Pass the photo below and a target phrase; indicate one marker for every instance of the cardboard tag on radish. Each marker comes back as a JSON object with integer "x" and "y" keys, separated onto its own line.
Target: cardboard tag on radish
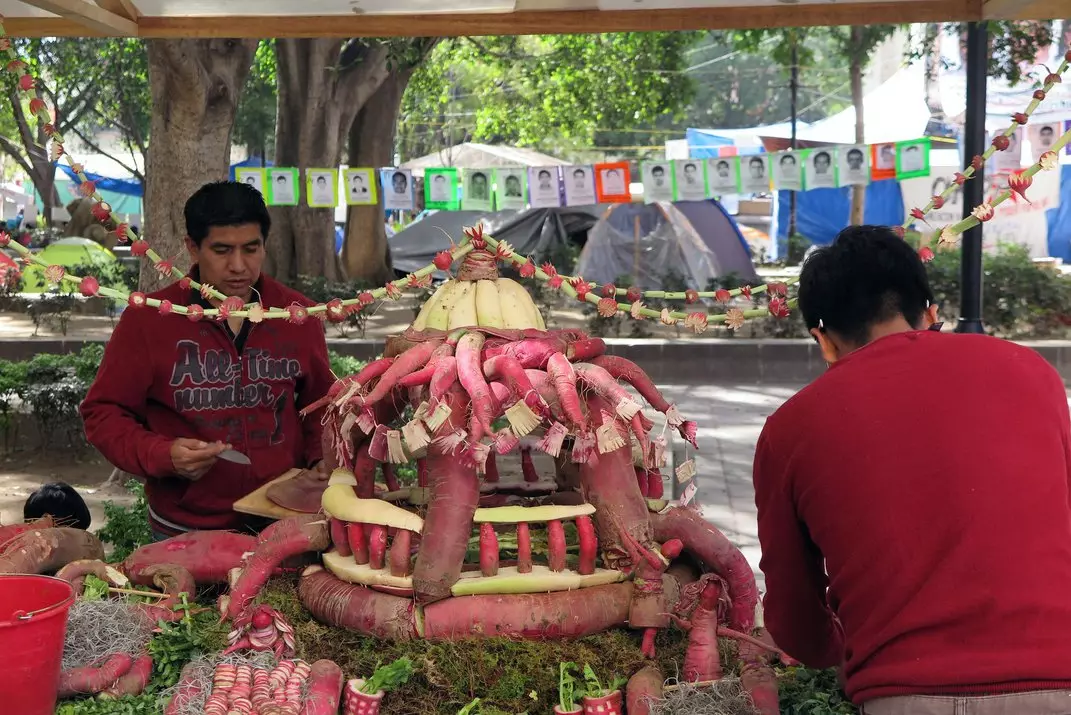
{"x": 689, "y": 494}
{"x": 658, "y": 452}
{"x": 685, "y": 471}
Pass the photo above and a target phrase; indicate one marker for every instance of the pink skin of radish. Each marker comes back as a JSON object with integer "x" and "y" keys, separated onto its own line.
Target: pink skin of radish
{"x": 443, "y": 379}
{"x": 641, "y": 481}
{"x": 174, "y": 581}
{"x": 93, "y": 679}
{"x": 358, "y": 541}
{"x": 207, "y": 555}
{"x": 455, "y": 493}
{"x": 757, "y": 677}
{"x": 356, "y": 608}
{"x": 339, "y": 538}
{"x": 407, "y": 363}
{"x": 75, "y": 573}
{"x": 48, "y": 550}
{"x": 364, "y": 471}
{"x": 531, "y": 353}
{"x": 524, "y": 548}
{"x": 325, "y": 684}
{"x": 702, "y": 661}
{"x": 655, "y": 486}
{"x": 10, "y": 532}
{"x": 706, "y": 543}
{"x": 389, "y": 477}
{"x": 541, "y": 383}
{"x": 488, "y": 550}
{"x": 400, "y": 548}
{"x": 134, "y": 681}
{"x": 556, "y": 545}
{"x": 527, "y": 466}
{"x": 189, "y": 690}
{"x": 377, "y": 546}
{"x": 505, "y": 366}
{"x": 422, "y": 472}
{"x": 491, "y": 468}
{"x": 369, "y": 372}
{"x": 288, "y": 538}
{"x": 585, "y": 349}
{"x": 603, "y": 384}
{"x": 563, "y": 378}
{"x": 623, "y": 369}
{"x": 470, "y": 375}
{"x": 644, "y": 688}
{"x": 589, "y": 545}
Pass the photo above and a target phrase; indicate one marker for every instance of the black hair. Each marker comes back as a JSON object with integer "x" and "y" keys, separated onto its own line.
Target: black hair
{"x": 866, "y": 276}
{"x": 787, "y": 158}
{"x": 723, "y": 163}
{"x": 1047, "y": 128}
{"x": 439, "y": 176}
{"x": 62, "y": 502}
{"x": 322, "y": 178}
{"x": 479, "y": 175}
{"x": 542, "y": 173}
{"x": 913, "y": 147}
{"x": 690, "y": 166}
{"x": 659, "y": 169}
{"x": 612, "y": 171}
{"x": 855, "y": 152}
{"x": 823, "y": 153}
{"x": 756, "y": 160}
{"x": 225, "y": 203}
{"x": 580, "y": 172}
{"x": 513, "y": 177}
{"x": 399, "y": 175}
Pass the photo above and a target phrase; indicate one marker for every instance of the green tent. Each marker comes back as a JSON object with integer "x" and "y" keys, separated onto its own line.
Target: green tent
{"x": 69, "y": 253}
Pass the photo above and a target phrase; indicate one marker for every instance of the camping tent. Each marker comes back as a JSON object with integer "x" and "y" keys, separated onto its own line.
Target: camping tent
{"x": 69, "y": 253}
{"x": 535, "y": 232}
{"x": 657, "y": 239}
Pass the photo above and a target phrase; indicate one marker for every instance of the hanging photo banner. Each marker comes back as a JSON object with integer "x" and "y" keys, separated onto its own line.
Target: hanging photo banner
{"x": 282, "y": 187}
{"x": 1042, "y": 137}
{"x": 360, "y": 187}
{"x": 913, "y": 159}
{"x": 510, "y": 188}
{"x": 612, "y": 183}
{"x": 657, "y": 181}
{"x": 1011, "y": 159}
{"x": 440, "y": 189}
{"x": 788, "y": 176}
{"x": 882, "y": 162}
{"x": 321, "y": 188}
{"x": 853, "y": 167}
{"x": 544, "y": 184}
{"x": 820, "y": 169}
{"x": 579, "y": 186}
{"x": 755, "y": 174}
{"x": 689, "y": 180}
{"x": 723, "y": 175}
{"x": 397, "y": 190}
{"x": 252, "y": 177}
{"x": 476, "y": 190}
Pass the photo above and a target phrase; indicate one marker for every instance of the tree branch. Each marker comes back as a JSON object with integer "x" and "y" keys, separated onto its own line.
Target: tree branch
{"x": 96, "y": 148}
{"x": 12, "y": 149}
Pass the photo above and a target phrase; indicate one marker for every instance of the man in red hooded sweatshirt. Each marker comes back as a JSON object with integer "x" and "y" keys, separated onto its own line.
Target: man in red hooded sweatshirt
{"x": 172, "y": 393}
{"x": 914, "y": 502}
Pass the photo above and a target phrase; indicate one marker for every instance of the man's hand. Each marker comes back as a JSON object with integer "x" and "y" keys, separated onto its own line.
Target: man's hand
{"x": 192, "y": 457}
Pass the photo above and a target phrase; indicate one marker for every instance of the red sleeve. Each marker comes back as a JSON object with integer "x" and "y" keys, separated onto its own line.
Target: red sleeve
{"x": 314, "y": 385}
{"x": 113, "y": 411}
{"x": 795, "y": 608}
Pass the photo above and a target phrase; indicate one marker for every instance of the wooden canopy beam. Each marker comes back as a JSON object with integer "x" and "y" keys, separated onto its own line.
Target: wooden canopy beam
{"x": 526, "y": 22}
{"x": 88, "y": 15}
{"x": 123, "y": 8}
{"x": 1026, "y": 9}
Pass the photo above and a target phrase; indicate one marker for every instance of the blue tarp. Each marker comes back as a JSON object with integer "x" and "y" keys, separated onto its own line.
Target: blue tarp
{"x": 126, "y": 187}
{"x": 1060, "y": 219}
{"x": 822, "y": 213}
{"x": 703, "y": 144}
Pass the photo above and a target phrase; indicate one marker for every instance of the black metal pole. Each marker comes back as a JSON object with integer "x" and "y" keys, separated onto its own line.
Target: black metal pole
{"x": 974, "y": 144}
{"x": 794, "y": 87}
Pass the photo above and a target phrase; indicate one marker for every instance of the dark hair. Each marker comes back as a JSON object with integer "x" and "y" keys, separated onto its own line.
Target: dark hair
{"x": 867, "y": 275}
{"x": 439, "y": 176}
{"x": 659, "y": 169}
{"x": 913, "y": 147}
{"x": 399, "y": 175}
{"x": 62, "y": 502}
{"x": 322, "y": 178}
{"x": 756, "y": 160}
{"x": 580, "y": 172}
{"x": 723, "y": 163}
{"x": 479, "y": 175}
{"x": 855, "y": 152}
{"x": 225, "y": 203}
{"x": 513, "y": 177}
{"x": 823, "y": 153}
{"x": 542, "y": 173}
{"x": 1047, "y": 128}
{"x": 788, "y": 157}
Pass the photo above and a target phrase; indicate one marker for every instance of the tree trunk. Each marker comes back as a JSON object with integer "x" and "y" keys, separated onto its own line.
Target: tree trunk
{"x": 195, "y": 87}
{"x": 855, "y": 71}
{"x": 323, "y": 83}
{"x": 365, "y": 252}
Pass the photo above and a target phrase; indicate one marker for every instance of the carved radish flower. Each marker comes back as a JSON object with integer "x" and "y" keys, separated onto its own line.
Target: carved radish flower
{"x": 549, "y": 269}
{"x": 365, "y": 298}
{"x": 15, "y": 66}
{"x": 393, "y": 291}
{"x": 527, "y": 269}
{"x": 1019, "y": 182}
{"x": 37, "y": 105}
{"x": 26, "y": 82}
{"x": 948, "y": 236}
{"x": 475, "y": 234}
{"x": 582, "y": 288}
{"x": 1001, "y": 142}
{"x": 666, "y": 318}
{"x": 938, "y": 202}
{"x": 778, "y": 307}
{"x": 1049, "y": 161}
{"x": 609, "y": 290}
{"x": 926, "y": 254}
{"x": 255, "y": 314}
{"x": 607, "y": 307}
{"x": 137, "y": 300}
{"x": 503, "y": 251}
{"x": 336, "y": 312}
{"x": 230, "y": 305}
{"x": 691, "y": 296}
{"x": 165, "y": 307}
{"x": 777, "y": 289}
{"x": 696, "y": 322}
{"x": 89, "y": 286}
{"x": 121, "y": 233}
{"x": 298, "y": 313}
{"x": 443, "y": 260}
{"x": 900, "y": 231}
{"x": 102, "y": 210}
{"x": 977, "y": 163}
{"x": 55, "y": 151}
{"x": 636, "y": 310}
{"x": 734, "y": 318}
{"x": 185, "y": 283}
{"x": 633, "y": 294}
{"x": 722, "y": 296}
{"x": 194, "y": 313}
{"x": 1020, "y": 118}
{"x": 1039, "y": 95}
{"x": 416, "y": 281}
{"x": 555, "y": 282}
{"x": 746, "y": 292}
{"x": 983, "y": 212}
{"x": 959, "y": 179}
{"x": 54, "y": 274}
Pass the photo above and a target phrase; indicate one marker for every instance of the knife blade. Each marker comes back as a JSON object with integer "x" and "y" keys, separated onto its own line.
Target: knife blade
{"x": 233, "y": 455}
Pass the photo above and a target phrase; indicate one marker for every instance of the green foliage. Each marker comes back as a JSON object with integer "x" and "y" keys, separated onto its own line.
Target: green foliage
{"x": 176, "y": 644}
{"x": 812, "y": 692}
{"x": 254, "y": 123}
{"x": 553, "y": 93}
{"x": 321, "y": 290}
{"x": 144, "y": 704}
{"x": 126, "y": 528}
{"x": 389, "y": 677}
{"x": 569, "y": 693}
{"x": 1013, "y": 46}
{"x": 95, "y": 589}
{"x": 345, "y": 365}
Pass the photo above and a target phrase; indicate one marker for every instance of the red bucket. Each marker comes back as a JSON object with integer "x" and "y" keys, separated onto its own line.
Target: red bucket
{"x": 33, "y": 623}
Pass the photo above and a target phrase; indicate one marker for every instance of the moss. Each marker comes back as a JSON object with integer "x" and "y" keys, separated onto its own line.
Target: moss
{"x": 509, "y": 676}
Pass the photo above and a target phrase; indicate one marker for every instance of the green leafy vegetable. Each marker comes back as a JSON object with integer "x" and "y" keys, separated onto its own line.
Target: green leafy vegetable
{"x": 388, "y": 677}
{"x": 568, "y": 696}
{"x": 144, "y": 704}
{"x": 178, "y": 643}
{"x": 127, "y": 527}
{"x": 95, "y": 589}
{"x": 471, "y": 709}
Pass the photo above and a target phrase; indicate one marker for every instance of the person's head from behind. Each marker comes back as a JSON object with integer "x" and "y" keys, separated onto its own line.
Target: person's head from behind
{"x": 867, "y": 284}
{"x": 226, "y": 226}
{"x": 60, "y": 501}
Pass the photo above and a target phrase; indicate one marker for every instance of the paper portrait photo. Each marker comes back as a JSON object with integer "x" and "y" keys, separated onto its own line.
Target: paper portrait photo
{"x": 854, "y": 165}
{"x": 821, "y": 171}
{"x": 282, "y": 187}
{"x": 438, "y": 188}
{"x": 754, "y": 174}
{"x": 657, "y": 181}
{"x": 510, "y": 189}
{"x": 579, "y": 186}
{"x": 398, "y": 190}
{"x": 476, "y": 185}
{"x": 360, "y": 187}
{"x": 612, "y": 183}
{"x": 723, "y": 175}
{"x": 886, "y": 157}
{"x": 321, "y": 188}
{"x": 691, "y": 180}
{"x": 913, "y": 159}
{"x": 250, "y": 177}
{"x": 788, "y": 174}
{"x": 1011, "y": 159}
{"x": 1042, "y": 138}
{"x": 543, "y": 185}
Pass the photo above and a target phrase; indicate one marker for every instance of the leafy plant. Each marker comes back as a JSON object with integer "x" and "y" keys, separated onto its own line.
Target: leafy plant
{"x": 812, "y": 692}
{"x": 345, "y": 365}
{"x": 568, "y": 693}
{"x": 144, "y": 704}
{"x": 127, "y": 527}
{"x": 594, "y": 687}
{"x": 388, "y": 677}
{"x": 95, "y": 589}
{"x": 321, "y": 290}
{"x": 175, "y": 644}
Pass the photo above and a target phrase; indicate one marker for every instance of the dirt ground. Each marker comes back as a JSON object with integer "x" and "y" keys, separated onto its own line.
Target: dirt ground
{"x": 23, "y": 472}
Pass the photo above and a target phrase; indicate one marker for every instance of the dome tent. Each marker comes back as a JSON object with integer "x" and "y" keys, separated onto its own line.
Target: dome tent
{"x": 694, "y": 240}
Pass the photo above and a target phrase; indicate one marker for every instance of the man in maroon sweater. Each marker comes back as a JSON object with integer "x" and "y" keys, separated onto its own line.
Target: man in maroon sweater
{"x": 913, "y": 502}
{"x": 172, "y": 394}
